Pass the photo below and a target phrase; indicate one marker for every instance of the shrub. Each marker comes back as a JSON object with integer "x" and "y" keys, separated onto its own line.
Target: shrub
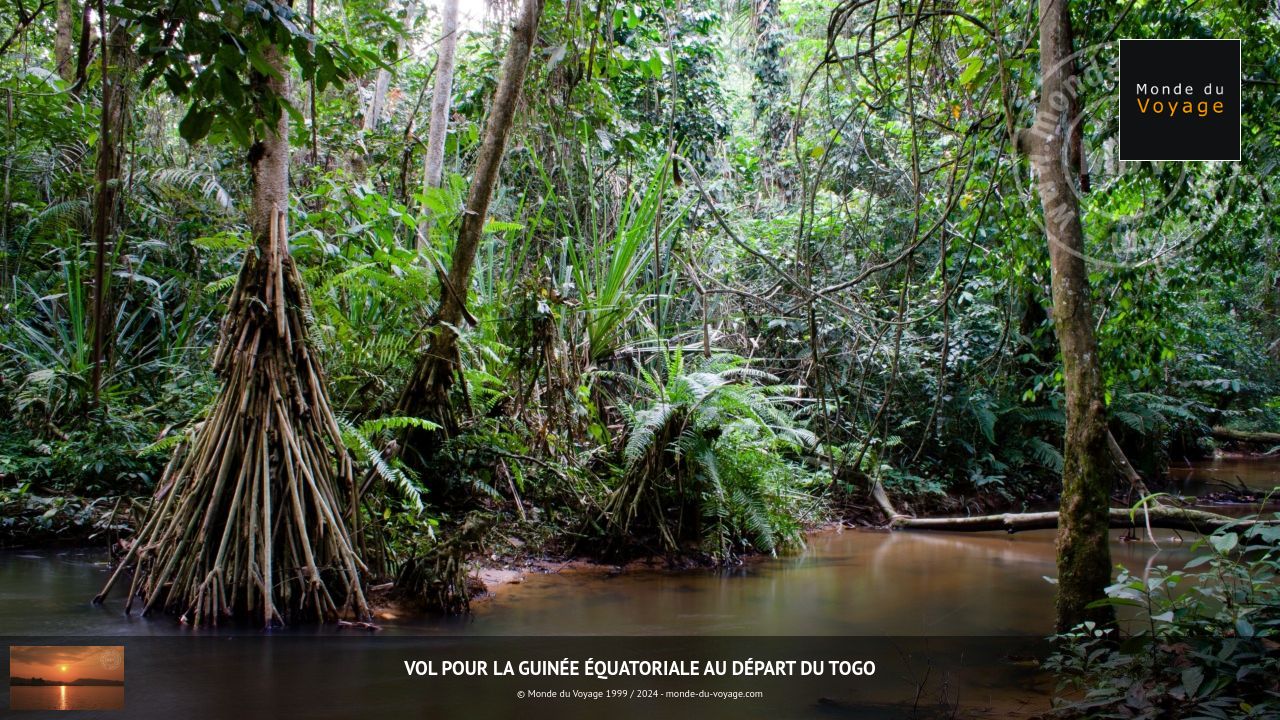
{"x": 1204, "y": 644}
{"x": 710, "y": 460}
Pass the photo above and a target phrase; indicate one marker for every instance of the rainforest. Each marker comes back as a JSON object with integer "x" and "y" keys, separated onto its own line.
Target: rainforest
{"x": 640, "y": 318}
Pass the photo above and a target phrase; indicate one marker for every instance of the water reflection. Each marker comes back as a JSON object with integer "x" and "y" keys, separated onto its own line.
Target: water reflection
{"x": 847, "y": 583}
{"x": 1225, "y": 471}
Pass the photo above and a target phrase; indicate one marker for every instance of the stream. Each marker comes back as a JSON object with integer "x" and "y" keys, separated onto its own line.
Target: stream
{"x": 846, "y": 591}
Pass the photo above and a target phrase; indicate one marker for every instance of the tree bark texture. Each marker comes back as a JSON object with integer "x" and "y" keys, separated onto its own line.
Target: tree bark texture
{"x": 64, "y": 25}
{"x": 441, "y": 102}
{"x": 1242, "y": 436}
{"x": 1084, "y": 558}
{"x": 117, "y": 60}
{"x": 427, "y": 393}
{"x": 442, "y": 94}
{"x": 1170, "y": 518}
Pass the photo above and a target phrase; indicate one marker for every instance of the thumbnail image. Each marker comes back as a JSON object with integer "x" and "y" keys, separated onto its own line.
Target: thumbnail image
{"x": 66, "y": 677}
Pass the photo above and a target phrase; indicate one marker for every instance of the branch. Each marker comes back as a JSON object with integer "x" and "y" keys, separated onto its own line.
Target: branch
{"x": 24, "y": 21}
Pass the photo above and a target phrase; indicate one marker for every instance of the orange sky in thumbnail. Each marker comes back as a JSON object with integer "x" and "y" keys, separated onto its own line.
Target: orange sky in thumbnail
{"x": 66, "y": 663}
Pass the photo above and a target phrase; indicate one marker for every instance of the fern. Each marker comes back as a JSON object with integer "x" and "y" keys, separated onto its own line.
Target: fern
{"x": 1026, "y": 415}
{"x": 164, "y": 446}
{"x": 369, "y": 428}
{"x": 985, "y": 418}
{"x": 361, "y": 442}
{"x": 711, "y": 435}
{"x": 1045, "y": 454}
{"x": 188, "y": 179}
{"x": 1134, "y": 421}
{"x": 54, "y": 218}
{"x": 221, "y": 285}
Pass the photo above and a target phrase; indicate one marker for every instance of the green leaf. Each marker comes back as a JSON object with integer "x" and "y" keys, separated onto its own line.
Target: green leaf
{"x": 326, "y": 70}
{"x": 195, "y": 125}
{"x": 229, "y": 83}
{"x": 1192, "y": 679}
{"x": 972, "y": 66}
{"x": 436, "y": 199}
{"x": 494, "y": 226}
{"x": 1197, "y": 561}
{"x": 229, "y": 56}
{"x": 259, "y": 63}
{"x": 175, "y": 83}
{"x": 1224, "y": 543}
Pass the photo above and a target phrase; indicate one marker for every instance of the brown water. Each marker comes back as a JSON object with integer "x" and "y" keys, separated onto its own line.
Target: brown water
{"x": 66, "y": 697}
{"x": 844, "y": 583}
{"x": 842, "y": 597}
{"x": 855, "y": 582}
{"x": 1225, "y": 472}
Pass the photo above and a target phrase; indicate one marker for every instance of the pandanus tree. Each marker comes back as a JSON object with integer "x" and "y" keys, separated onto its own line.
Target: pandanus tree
{"x": 255, "y": 513}
{"x": 427, "y": 393}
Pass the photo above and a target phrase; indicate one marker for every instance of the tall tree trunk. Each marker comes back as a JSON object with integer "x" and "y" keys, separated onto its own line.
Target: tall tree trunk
{"x": 441, "y": 95}
{"x": 441, "y": 102}
{"x": 373, "y": 111}
{"x": 771, "y": 90}
{"x": 269, "y": 164}
{"x": 64, "y": 25}
{"x": 84, "y": 48}
{"x": 256, "y": 515}
{"x": 1084, "y": 556}
{"x": 116, "y": 57}
{"x": 382, "y": 82}
{"x": 427, "y": 393}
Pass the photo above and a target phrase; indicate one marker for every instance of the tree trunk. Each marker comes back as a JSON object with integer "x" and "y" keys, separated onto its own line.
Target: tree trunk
{"x": 441, "y": 100}
{"x": 84, "y": 49}
{"x": 269, "y": 163}
{"x": 427, "y": 393}
{"x": 116, "y": 57}
{"x": 770, "y": 90}
{"x": 248, "y": 519}
{"x": 373, "y": 111}
{"x": 1151, "y": 515}
{"x": 1241, "y": 436}
{"x": 442, "y": 95}
{"x": 1084, "y": 558}
{"x": 64, "y": 24}
{"x": 382, "y": 82}
{"x": 1136, "y": 485}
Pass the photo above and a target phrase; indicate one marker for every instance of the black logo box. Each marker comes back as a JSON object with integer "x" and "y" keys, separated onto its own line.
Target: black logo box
{"x": 1187, "y": 68}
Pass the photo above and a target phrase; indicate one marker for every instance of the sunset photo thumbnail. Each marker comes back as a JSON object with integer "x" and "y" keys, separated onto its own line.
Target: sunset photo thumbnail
{"x": 66, "y": 677}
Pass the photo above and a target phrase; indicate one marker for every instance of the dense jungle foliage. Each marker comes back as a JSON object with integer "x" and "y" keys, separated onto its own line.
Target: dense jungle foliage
{"x": 743, "y": 263}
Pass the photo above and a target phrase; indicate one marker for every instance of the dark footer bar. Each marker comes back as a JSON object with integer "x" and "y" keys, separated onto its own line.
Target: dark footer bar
{"x": 245, "y": 677}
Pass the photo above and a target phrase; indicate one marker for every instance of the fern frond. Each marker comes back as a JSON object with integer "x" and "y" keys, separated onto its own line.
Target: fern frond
{"x": 361, "y": 445}
{"x": 1045, "y": 454}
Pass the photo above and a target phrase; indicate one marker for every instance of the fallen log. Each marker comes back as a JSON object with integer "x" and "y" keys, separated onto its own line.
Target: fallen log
{"x": 1150, "y": 516}
{"x": 1168, "y": 518}
{"x": 1243, "y": 436}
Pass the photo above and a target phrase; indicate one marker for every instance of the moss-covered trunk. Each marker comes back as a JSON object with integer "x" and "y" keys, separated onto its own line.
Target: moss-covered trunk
{"x": 1084, "y": 557}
